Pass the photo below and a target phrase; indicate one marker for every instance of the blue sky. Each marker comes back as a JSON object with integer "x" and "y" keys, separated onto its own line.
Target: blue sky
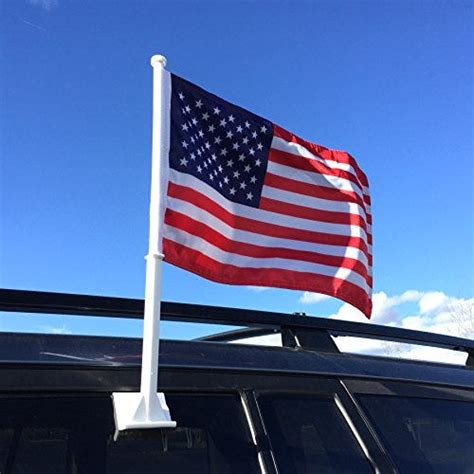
{"x": 391, "y": 82}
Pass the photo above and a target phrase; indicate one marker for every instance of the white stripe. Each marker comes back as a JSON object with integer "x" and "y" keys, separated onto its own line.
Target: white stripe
{"x": 314, "y": 178}
{"x": 299, "y": 150}
{"x": 206, "y": 248}
{"x": 312, "y": 202}
{"x": 261, "y": 215}
{"x": 308, "y": 177}
{"x": 246, "y": 237}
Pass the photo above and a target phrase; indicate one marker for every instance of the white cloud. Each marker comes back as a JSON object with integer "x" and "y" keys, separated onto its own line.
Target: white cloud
{"x": 258, "y": 289}
{"x": 44, "y": 4}
{"x": 432, "y": 300}
{"x": 56, "y": 329}
{"x": 435, "y": 312}
{"x": 310, "y": 298}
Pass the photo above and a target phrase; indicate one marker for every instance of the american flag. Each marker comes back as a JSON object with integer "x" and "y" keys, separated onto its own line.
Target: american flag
{"x": 249, "y": 203}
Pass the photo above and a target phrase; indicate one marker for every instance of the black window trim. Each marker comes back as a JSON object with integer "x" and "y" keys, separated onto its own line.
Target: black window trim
{"x": 332, "y": 389}
{"x": 354, "y": 387}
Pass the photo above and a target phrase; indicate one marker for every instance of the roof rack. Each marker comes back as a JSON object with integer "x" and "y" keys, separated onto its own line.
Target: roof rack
{"x": 296, "y": 330}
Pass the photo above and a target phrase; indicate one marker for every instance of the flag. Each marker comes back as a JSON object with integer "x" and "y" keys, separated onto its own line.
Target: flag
{"x": 249, "y": 203}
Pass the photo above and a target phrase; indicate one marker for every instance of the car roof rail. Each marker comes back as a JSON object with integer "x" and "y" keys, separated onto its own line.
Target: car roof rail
{"x": 296, "y": 330}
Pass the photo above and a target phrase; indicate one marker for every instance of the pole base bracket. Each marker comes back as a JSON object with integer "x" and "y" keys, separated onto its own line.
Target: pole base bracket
{"x": 133, "y": 411}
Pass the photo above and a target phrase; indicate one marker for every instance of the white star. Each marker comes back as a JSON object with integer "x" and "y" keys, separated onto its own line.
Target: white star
{"x": 207, "y": 145}
{"x": 214, "y": 157}
{"x": 252, "y": 151}
{"x": 254, "y": 135}
{"x": 231, "y": 118}
{"x": 215, "y": 172}
{"x": 243, "y": 185}
{"x": 223, "y": 152}
{"x": 235, "y": 146}
{"x": 236, "y": 174}
{"x": 220, "y": 168}
{"x": 217, "y": 140}
{"x": 259, "y": 146}
{"x": 199, "y": 168}
{"x": 230, "y": 163}
{"x": 223, "y": 123}
{"x": 217, "y": 111}
{"x": 263, "y": 129}
{"x": 239, "y": 129}
{"x": 249, "y": 196}
{"x": 232, "y": 191}
{"x": 245, "y": 140}
{"x": 211, "y": 177}
{"x": 258, "y": 163}
{"x": 205, "y": 116}
{"x": 247, "y": 168}
{"x": 181, "y": 95}
{"x": 253, "y": 179}
{"x": 199, "y": 152}
{"x": 205, "y": 164}
{"x": 184, "y": 143}
{"x": 200, "y": 133}
{"x": 199, "y": 103}
{"x": 194, "y": 121}
{"x": 229, "y": 134}
{"x": 193, "y": 156}
{"x": 241, "y": 157}
{"x": 211, "y": 128}
{"x": 184, "y": 127}
{"x": 226, "y": 180}
{"x": 192, "y": 140}
{"x": 187, "y": 108}
{"x": 220, "y": 184}
{"x": 183, "y": 161}
{"x": 247, "y": 124}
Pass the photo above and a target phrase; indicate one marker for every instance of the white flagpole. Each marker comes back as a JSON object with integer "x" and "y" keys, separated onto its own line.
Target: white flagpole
{"x": 147, "y": 408}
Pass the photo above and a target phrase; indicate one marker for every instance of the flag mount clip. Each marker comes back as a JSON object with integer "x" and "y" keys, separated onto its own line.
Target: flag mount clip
{"x": 134, "y": 411}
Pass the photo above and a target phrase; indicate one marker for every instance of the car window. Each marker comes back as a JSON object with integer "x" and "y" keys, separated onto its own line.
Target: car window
{"x": 309, "y": 434}
{"x": 424, "y": 435}
{"x": 74, "y": 435}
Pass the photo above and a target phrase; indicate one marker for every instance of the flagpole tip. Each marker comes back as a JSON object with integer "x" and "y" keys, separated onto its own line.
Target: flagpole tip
{"x": 158, "y": 60}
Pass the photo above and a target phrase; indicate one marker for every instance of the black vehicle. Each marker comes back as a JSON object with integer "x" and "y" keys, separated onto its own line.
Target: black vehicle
{"x": 304, "y": 407}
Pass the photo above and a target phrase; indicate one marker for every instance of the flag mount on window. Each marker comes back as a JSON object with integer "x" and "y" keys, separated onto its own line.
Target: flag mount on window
{"x": 237, "y": 199}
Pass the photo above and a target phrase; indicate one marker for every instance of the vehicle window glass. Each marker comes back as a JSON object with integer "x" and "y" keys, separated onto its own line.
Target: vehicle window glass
{"x": 424, "y": 435}
{"x": 5, "y": 443}
{"x": 75, "y": 436}
{"x": 309, "y": 434}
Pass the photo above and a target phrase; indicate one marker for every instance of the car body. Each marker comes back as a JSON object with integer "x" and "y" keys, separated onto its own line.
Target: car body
{"x": 240, "y": 408}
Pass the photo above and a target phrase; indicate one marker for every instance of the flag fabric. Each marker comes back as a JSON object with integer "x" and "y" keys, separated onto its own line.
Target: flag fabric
{"x": 249, "y": 203}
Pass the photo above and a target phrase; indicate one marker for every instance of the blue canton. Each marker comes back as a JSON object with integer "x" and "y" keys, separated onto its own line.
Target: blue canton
{"x": 219, "y": 143}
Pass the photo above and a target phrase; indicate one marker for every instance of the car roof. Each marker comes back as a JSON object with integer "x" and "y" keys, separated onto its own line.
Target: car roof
{"x": 308, "y": 345}
{"x": 119, "y": 352}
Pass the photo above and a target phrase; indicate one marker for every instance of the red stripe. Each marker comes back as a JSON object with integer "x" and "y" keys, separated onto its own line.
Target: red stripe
{"x": 273, "y": 230}
{"x": 320, "y": 192}
{"x": 199, "y": 229}
{"x": 309, "y": 213}
{"x": 323, "y": 152}
{"x": 206, "y": 267}
{"x": 312, "y": 166}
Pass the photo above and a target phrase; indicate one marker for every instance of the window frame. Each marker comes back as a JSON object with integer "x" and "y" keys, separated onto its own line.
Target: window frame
{"x": 332, "y": 389}
{"x": 355, "y": 387}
